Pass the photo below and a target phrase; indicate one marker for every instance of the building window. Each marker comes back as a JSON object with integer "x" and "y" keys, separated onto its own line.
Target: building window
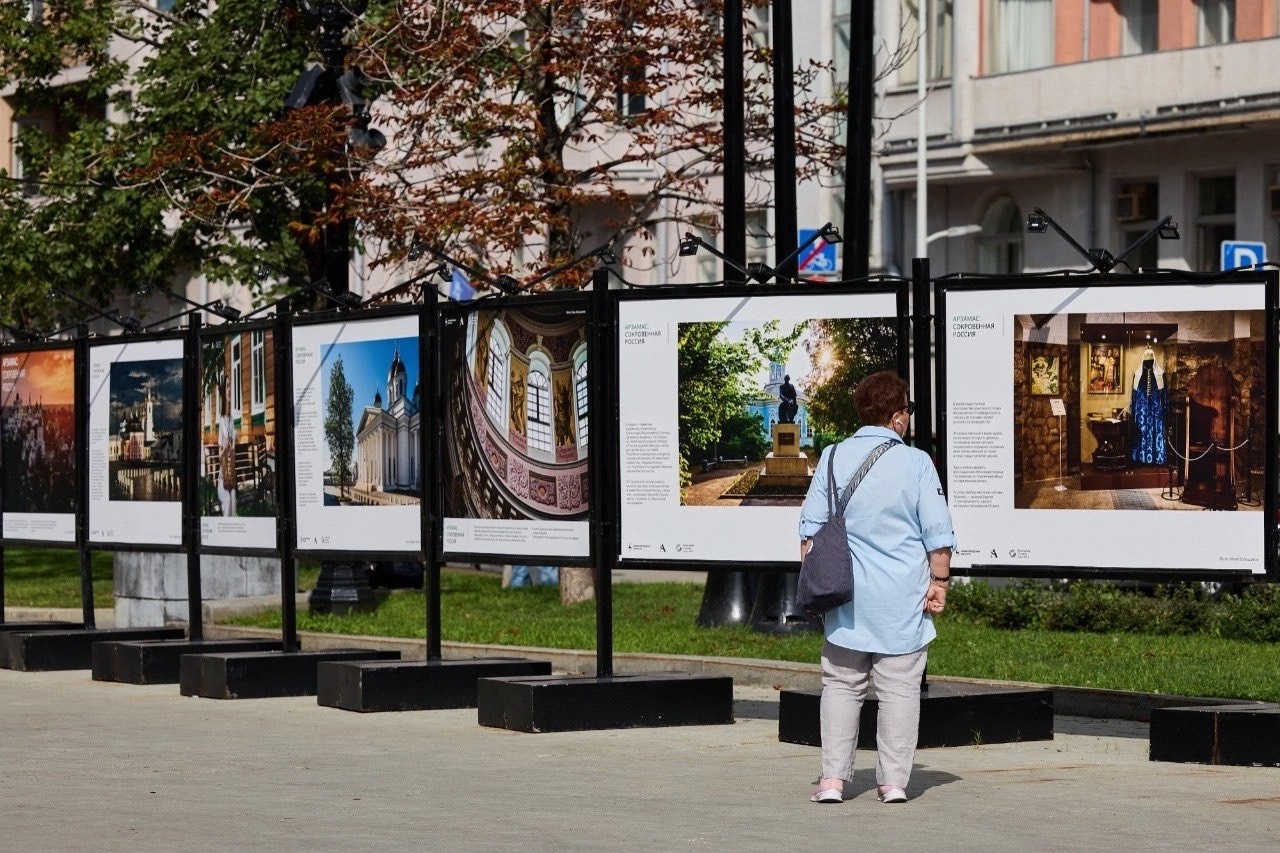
{"x": 495, "y": 378}
{"x": 237, "y": 374}
{"x": 758, "y": 238}
{"x": 1137, "y": 205}
{"x": 29, "y": 178}
{"x": 258, "y": 371}
{"x": 1215, "y": 218}
{"x": 1217, "y": 21}
{"x": 1000, "y": 243}
{"x": 165, "y": 5}
{"x": 937, "y": 37}
{"x": 538, "y": 409}
{"x": 1021, "y": 34}
{"x": 580, "y": 392}
{"x": 1141, "y": 26}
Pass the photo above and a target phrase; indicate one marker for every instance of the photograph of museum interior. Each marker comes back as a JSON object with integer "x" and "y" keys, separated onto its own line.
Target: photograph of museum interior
{"x": 517, "y": 415}
{"x": 1158, "y": 410}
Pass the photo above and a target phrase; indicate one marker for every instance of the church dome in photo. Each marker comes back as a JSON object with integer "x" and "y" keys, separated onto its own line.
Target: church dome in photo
{"x": 397, "y": 367}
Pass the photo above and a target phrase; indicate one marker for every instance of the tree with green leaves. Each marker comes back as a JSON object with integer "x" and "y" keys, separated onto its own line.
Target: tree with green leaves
{"x": 339, "y": 434}
{"x": 842, "y": 352}
{"x": 712, "y": 373}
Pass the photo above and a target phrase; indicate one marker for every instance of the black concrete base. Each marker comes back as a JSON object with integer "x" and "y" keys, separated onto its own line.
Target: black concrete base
{"x": 1227, "y": 734}
{"x": 30, "y": 627}
{"x": 950, "y": 715}
{"x": 59, "y": 650}
{"x": 156, "y": 661}
{"x": 414, "y": 685}
{"x": 568, "y": 704}
{"x": 259, "y": 675}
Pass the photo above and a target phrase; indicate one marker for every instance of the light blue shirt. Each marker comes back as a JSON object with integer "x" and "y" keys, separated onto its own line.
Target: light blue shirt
{"x": 897, "y": 515}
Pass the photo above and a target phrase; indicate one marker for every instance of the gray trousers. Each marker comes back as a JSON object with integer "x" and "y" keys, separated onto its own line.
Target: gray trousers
{"x": 845, "y": 677}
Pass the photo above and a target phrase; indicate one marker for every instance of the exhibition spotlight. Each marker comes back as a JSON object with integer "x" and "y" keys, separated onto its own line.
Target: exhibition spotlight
{"x": 504, "y": 283}
{"x": 1165, "y": 229}
{"x": 829, "y": 234}
{"x": 603, "y": 253}
{"x": 26, "y": 336}
{"x": 343, "y": 299}
{"x": 217, "y": 307}
{"x": 1038, "y": 222}
{"x": 692, "y": 242}
{"x": 124, "y": 321}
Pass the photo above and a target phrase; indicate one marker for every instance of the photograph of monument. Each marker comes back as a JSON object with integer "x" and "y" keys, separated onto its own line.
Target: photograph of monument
{"x": 144, "y": 443}
{"x": 759, "y": 400}
{"x": 238, "y": 424}
{"x": 371, "y": 398}
{"x": 38, "y": 429}
{"x": 1164, "y": 411}
{"x": 517, "y": 414}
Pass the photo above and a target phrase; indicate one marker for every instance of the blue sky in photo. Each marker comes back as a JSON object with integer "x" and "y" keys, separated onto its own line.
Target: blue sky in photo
{"x": 365, "y": 364}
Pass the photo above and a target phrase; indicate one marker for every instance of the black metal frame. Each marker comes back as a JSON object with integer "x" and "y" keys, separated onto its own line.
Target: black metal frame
{"x": 460, "y": 312}
{"x": 1158, "y": 279}
{"x": 897, "y": 286}
{"x": 354, "y": 318}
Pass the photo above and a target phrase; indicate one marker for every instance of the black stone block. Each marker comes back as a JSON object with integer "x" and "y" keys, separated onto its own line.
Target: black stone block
{"x": 28, "y": 628}
{"x": 1247, "y": 735}
{"x": 60, "y": 650}
{"x": 413, "y": 685}
{"x": 950, "y": 715}
{"x": 259, "y": 675}
{"x": 583, "y": 703}
{"x": 156, "y": 661}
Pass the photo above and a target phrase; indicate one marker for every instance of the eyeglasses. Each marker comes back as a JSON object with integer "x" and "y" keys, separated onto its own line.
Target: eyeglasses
{"x": 911, "y": 408}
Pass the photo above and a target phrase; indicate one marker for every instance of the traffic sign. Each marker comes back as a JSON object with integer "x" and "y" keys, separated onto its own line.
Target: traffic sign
{"x": 817, "y": 257}
{"x": 1242, "y": 253}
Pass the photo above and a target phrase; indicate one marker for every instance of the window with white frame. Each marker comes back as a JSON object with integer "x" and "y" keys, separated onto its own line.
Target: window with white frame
{"x": 1141, "y": 33}
{"x": 237, "y": 374}
{"x": 580, "y": 393}
{"x": 18, "y": 168}
{"x": 937, "y": 39}
{"x": 1217, "y": 21}
{"x": 1021, "y": 34}
{"x": 1000, "y": 243}
{"x": 538, "y": 408}
{"x": 496, "y": 375}
{"x": 258, "y": 372}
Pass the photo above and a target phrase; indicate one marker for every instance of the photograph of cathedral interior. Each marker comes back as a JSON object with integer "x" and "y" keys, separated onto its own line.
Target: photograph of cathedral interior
{"x": 144, "y": 445}
{"x": 372, "y": 398}
{"x": 516, "y": 413}
{"x": 1160, "y": 410}
{"x": 38, "y": 425}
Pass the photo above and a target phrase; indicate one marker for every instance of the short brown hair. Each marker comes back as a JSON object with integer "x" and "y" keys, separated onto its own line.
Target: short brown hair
{"x": 878, "y": 396}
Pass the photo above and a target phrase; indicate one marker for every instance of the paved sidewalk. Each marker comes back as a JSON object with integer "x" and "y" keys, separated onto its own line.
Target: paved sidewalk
{"x": 90, "y": 765}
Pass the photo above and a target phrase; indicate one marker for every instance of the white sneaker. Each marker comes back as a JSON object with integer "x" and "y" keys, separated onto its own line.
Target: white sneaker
{"x": 892, "y": 794}
{"x": 828, "y": 795}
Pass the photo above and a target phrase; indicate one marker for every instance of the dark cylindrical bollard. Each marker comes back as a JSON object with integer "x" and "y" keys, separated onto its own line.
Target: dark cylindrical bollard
{"x": 726, "y": 600}
{"x": 775, "y": 610}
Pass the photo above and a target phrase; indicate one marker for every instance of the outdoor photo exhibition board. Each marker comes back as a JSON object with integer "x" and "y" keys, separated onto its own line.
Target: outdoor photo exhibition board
{"x": 705, "y": 382}
{"x": 135, "y": 443}
{"x": 40, "y": 459}
{"x": 1099, "y": 427}
{"x": 238, "y": 439}
{"x": 516, "y": 413}
{"x": 357, "y": 398}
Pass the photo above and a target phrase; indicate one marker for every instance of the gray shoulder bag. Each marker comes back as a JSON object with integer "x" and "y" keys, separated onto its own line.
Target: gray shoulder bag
{"x": 826, "y": 574}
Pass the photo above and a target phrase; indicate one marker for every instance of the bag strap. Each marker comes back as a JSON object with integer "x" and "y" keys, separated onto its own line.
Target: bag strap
{"x": 831, "y": 478}
{"x": 847, "y": 491}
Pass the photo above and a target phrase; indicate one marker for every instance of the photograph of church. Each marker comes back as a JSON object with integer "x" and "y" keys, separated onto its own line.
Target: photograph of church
{"x": 38, "y": 430}
{"x": 374, "y": 436}
{"x": 1160, "y": 410}
{"x": 517, "y": 413}
{"x": 144, "y": 443}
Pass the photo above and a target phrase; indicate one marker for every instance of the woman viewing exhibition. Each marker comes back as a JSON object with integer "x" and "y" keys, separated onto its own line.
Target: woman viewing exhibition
{"x": 900, "y": 533}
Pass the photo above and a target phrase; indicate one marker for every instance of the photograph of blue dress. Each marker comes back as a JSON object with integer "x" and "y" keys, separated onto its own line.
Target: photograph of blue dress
{"x": 1148, "y": 407}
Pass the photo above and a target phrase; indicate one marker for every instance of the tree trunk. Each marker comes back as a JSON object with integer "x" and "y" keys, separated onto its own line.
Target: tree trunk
{"x": 576, "y": 585}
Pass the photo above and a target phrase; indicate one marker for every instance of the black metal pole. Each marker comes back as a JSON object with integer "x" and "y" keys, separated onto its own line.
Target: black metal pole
{"x": 922, "y": 349}
{"x": 286, "y": 509}
{"x": 857, "y": 169}
{"x": 191, "y": 367}
{"x": 603, "y": 467}
{"x": 784, "y": 141}
{"x": 81, "y": 382}
{"x": 430, "y": 364}
{"x": 735, "y": 152}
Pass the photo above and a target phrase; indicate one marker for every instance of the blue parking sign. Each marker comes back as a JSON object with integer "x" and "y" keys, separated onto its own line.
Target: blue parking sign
{"x": 819, "y": 256}
{"x": 1241, "y": 253}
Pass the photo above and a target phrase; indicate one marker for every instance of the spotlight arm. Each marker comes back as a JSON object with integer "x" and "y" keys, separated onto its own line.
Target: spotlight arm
{"x": 419, "y": 247}
{"x": 694, "y": 238}
{"x": 1084, "y": 253}
{"x": 396, "y": 288}
{"x": 823, "y": 233}
{"x": 1144, "y": 239}
{"x": 598, "y": 252}
{"x": 129, "y": 324}
{"x": 26, "y": 336}
{"x": 345, "y": 299}
{"x": 217, "y": 307}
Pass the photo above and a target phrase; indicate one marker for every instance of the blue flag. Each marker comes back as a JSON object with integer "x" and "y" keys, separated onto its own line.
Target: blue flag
{"x": 460, "y": 287}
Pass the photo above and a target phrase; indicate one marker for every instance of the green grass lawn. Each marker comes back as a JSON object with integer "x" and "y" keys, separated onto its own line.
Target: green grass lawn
{"x": 50, "y": 577}
{"x": 661, "y": 617}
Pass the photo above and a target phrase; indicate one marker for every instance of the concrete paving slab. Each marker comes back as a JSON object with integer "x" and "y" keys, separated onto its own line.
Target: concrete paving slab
{"x": 104, "y": 766}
